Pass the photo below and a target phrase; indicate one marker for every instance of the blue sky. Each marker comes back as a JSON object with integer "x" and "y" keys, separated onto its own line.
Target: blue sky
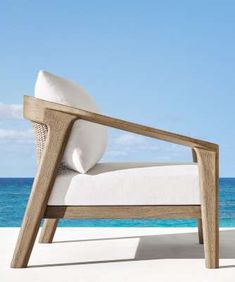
{"x": 167, "y": 64}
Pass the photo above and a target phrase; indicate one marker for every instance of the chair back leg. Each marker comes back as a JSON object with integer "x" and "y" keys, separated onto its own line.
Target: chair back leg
{"x": 200, "y": 231}
{"x": 48, "y": 230}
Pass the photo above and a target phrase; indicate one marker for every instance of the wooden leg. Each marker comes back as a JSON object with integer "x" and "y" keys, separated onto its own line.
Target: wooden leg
{"x": 200, "y": 231}
{"x": 208, "y": 168}
{"x": 48, "y": 230}
{"x": 59, "y": 128}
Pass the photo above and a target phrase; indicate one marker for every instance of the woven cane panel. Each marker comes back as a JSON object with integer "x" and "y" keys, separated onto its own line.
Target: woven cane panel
{"x": 40, "y": 132}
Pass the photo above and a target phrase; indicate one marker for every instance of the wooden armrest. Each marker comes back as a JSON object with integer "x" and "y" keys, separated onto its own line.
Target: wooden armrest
{"x": 35, "y": 109}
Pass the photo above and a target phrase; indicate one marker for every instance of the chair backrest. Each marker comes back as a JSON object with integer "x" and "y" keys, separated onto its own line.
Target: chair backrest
{"x": 40, "y": 133}
{"x": 34, "y": 110}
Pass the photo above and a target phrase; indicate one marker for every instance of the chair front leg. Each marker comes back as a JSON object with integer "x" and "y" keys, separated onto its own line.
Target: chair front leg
{"x": 208, "y": 170}
{"x": 60, "y": 125}
{"x": 48, "y": 230}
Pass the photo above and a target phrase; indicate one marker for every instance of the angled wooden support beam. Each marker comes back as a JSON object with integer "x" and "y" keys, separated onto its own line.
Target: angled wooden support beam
{"x": 59, "y": 125}
{"x": 38, "y": 107}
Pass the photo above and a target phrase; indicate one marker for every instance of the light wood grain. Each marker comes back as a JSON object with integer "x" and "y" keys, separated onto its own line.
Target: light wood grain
{"x": 123, "y": 212}
{"x": 59, "y": 128}
{"x": 48, "y": 230}
{"x": 208, "y": 174}
{"x": 38, "y": 107}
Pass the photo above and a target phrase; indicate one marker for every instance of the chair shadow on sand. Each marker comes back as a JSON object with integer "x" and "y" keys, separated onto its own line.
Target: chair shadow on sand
{"x": 165, "y": 246}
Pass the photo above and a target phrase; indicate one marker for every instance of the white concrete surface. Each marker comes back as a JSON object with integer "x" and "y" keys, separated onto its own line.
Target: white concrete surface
{"x": 119, "y": 254}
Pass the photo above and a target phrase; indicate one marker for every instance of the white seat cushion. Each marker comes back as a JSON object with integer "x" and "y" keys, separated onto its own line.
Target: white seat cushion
{"x": 129, "y": 184}
{"x": 87, "y": 141}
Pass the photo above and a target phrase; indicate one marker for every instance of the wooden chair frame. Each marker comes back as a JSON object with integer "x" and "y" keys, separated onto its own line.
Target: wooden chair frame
{"x": 59, "y": 120}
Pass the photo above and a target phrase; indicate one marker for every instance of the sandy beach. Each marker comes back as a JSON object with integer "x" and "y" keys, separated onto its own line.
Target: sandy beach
{"x": 119, "y": 254}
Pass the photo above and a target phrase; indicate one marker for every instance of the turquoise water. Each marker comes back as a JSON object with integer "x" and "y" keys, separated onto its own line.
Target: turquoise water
{"x": 14, "y": 194}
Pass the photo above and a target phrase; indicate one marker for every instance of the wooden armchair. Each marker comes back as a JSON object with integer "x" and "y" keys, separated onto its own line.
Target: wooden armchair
{"x": 59, "y": 120}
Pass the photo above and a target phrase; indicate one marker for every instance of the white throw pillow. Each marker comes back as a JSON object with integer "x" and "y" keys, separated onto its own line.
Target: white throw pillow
{"x": 87, "y": 141}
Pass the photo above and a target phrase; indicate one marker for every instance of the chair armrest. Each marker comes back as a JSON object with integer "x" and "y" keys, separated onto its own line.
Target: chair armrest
{"x": 35, "y": 109}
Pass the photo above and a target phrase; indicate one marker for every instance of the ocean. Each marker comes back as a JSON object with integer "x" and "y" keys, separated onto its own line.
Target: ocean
{"x": 14, "y": 193}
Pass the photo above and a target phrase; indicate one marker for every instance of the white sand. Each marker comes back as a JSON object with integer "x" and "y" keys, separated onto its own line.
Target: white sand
{"x": 119, "y": 254}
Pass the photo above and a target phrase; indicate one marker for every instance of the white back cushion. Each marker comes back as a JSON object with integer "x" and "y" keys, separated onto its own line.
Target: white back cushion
{"x": 87, "y": 141}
